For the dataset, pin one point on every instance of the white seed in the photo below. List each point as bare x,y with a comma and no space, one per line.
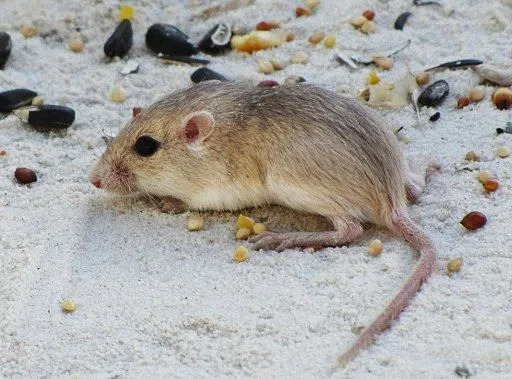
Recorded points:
276,63
471,156
484,176
476,94
503,152
368,27
265,67
118,95
358,21
375,247
195,223
300,57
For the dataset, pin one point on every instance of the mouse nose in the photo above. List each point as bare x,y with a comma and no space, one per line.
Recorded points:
97,183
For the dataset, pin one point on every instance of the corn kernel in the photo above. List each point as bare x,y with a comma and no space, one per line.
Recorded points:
471,156
245,222
316,37
126,12
243,233
68,305
454,265
422,78
76,45
276,63
259,228
373,78
241,254
329,41
375,247
265,67
195,223
503,152
118,95
484,176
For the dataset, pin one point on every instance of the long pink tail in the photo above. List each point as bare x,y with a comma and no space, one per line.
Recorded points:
405,227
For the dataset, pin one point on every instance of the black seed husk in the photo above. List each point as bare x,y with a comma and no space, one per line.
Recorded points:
51,116
209,44
401,20
15,98
435,116
434,94
202,74
5,48
168,40
500,131
183,59
121,41
461,63
423,2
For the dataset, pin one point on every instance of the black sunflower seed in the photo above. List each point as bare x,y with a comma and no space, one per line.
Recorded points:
434,94
5,48
120,42
216,40
51,116
202,74
461,63
401,20
15,98
169,40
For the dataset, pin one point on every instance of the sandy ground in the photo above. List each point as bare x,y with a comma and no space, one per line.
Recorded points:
155,300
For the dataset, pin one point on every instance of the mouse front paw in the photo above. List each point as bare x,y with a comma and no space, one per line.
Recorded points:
172,205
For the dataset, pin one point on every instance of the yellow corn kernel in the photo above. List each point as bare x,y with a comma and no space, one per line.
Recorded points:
241,254
259,228
245,222
243,233
126,12
373,78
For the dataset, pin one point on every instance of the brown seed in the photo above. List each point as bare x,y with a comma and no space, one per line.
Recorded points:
475,94
462,102
136,111
76,45
316,37
369,14
502,97
268,83
491,185
474,220
368,27
454,265
267,25
302,12
28,31
471,156
422,78
383,62
358,21
25,175
3,153
290,36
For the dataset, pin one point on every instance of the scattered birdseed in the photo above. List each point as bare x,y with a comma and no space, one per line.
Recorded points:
25,175
3,153
38,100
243,233
259,228
503,152
484,176
118,95
476,94
474,220
276,63
68,306
265,67
241,254
245,222
373,78
471,156
126,12
422,78
300,57
195,223
375,248
316,37
368,27
329,41
491,185
76,45
454,265
28,31
435,117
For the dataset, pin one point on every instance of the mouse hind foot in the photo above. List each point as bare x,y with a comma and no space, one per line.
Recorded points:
346,231
415,183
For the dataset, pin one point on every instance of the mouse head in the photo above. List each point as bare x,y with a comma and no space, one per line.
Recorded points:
156,153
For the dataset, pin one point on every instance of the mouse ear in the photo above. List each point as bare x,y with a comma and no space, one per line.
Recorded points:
197,126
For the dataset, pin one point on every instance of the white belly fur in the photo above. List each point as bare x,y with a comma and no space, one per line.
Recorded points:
229,197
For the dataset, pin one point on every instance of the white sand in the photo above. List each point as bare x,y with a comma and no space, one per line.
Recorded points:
155,300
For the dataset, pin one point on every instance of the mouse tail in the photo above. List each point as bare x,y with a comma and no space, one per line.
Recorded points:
405,227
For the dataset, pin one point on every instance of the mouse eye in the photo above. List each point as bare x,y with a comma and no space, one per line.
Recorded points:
146,146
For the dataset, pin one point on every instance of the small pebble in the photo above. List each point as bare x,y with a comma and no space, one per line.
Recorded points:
118,95
491,185
243,233
329,41
241,254
259,228
294,79
474,220
126,12
268,84
38,100
463,102
300,57
302,12
316,37
476,94
195,223
68,305
484,176
503,152
471,156
375,248
25,175
422,78
368,27
76,45
435,117
265,67
28,31
454,265
369,14
276,63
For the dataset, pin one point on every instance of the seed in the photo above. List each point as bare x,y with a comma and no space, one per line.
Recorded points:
435,117
434,94
491,185
38,100
294,79
126,12
118,95
312,4
5,48
368,27
300,57
258,40
259,228
369,14
462,102
474,220
3,153
503,152
241,254
204,73
136,111
502,97
484,176
329,41
290,36
375,247
15,98
195,223
476,94
471,156
25,175
216,40
373,78
316,37
401,20
51,116
265,67
169,40
268,84
422,78
454,265
243,233
68,305
238,30
121,40
76,45
245,222
302,12
276,63
385,63
267,25
28,31
358,21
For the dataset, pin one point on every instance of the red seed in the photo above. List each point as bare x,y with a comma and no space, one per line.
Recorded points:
474,220
136,111
267,25
491,185
299,11
369,14
462,102
268,83
25,175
